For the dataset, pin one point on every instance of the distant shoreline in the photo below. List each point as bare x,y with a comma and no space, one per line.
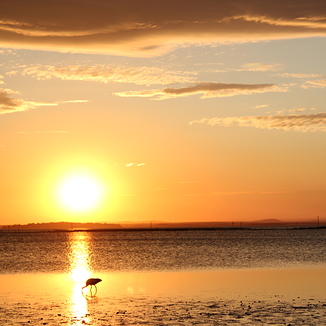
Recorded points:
148,229
128,226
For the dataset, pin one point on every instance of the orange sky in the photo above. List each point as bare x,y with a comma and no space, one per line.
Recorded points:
194,111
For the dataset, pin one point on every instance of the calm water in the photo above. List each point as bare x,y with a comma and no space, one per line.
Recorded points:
174,250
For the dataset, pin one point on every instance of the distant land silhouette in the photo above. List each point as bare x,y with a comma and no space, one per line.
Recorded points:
75,226
60,226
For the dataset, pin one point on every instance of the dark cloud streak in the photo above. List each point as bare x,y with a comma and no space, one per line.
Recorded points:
8,104
207,89
213,87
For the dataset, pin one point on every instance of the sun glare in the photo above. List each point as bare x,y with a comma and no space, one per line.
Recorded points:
80,192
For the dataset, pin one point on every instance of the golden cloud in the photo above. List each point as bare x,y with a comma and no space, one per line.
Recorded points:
143,28
318,83
303,122
106,73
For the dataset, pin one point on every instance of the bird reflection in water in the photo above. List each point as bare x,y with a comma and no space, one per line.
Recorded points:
80,270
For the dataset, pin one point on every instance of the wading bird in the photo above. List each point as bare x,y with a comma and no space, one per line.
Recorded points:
92,282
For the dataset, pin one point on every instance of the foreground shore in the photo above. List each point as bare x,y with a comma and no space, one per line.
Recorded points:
144,311
223,297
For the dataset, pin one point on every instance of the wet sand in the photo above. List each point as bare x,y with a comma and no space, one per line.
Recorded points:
242,297
144,311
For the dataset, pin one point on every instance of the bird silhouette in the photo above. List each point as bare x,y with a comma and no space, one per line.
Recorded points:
92,282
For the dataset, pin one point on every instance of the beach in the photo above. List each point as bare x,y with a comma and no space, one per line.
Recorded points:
226,297
107,311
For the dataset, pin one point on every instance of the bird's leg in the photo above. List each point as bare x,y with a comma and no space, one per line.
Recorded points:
95,290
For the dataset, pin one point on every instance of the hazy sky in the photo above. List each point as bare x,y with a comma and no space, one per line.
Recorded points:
178,110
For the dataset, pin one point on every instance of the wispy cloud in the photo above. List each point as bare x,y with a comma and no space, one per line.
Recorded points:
10,104
107,73
295,110
12,73
298,75
260,106
128,165
302,122
76,101
318,83
208,90
302,109
150,28
256,66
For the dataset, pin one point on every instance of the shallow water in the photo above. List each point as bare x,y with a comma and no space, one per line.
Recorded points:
219,284
222,297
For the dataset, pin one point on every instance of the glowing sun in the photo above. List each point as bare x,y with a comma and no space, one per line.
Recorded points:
80,193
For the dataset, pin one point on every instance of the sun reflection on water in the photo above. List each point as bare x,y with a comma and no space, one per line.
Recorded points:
80,271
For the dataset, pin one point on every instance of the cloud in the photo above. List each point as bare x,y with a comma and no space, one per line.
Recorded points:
128,165
295,110
76,101
9,104
303,122
12,73
1,81
107,73
208,90
318,83
300,110
298,75
256,66
147,28
260,106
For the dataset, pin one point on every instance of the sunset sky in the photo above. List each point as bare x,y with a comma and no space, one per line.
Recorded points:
173,110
